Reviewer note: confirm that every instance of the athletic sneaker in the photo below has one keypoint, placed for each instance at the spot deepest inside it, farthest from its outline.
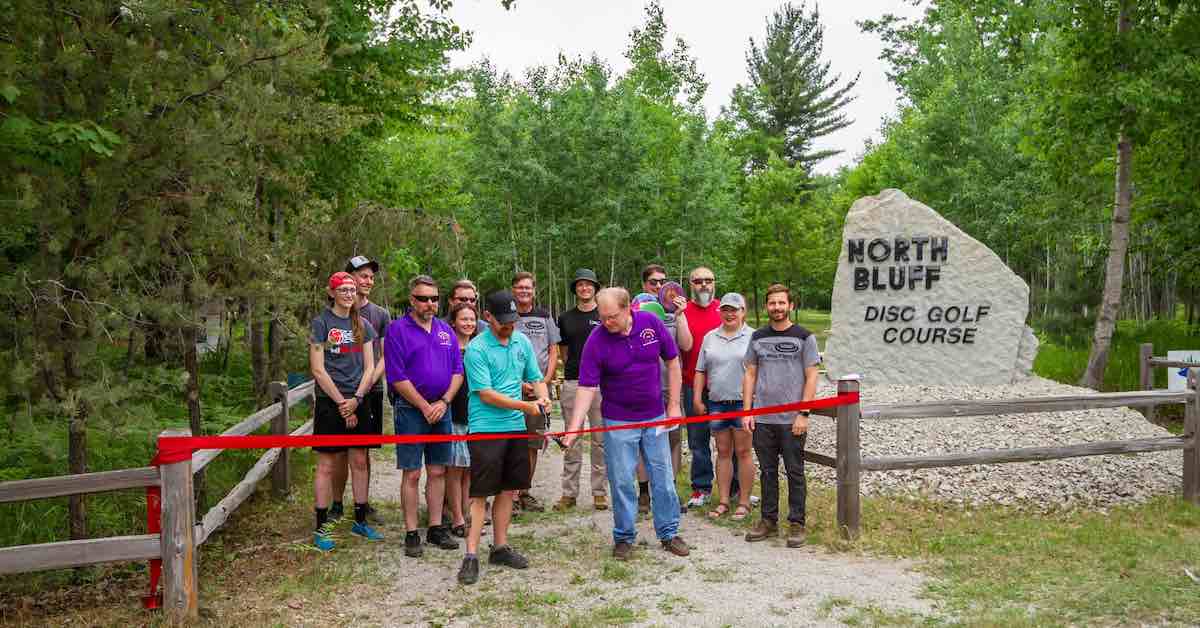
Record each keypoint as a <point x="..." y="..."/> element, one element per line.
<point x="366" y="531"/>
<point x="412" y="544"/>
<point x="468" y="573"/>
<point x="697" y="500"/>
<point x="507" y="556"/>
<point x="323" y="538"/>
<point x="439" y="536"/>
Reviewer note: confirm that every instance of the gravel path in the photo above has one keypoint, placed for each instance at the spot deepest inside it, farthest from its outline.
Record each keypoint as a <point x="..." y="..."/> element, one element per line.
<point x="1095" y="482"/>
<point x="573" y="581"/>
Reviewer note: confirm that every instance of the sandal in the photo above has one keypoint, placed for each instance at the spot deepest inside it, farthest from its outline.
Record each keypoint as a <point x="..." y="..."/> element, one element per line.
<point x="459" y="530"/>
<point x="741" y="513"/>
<point x="719" y="511"/>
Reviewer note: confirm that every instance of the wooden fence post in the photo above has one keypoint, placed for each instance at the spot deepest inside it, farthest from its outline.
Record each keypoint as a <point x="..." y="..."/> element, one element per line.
<point x="281" y="474"/>
<point x="1146" y="375"/>
<point x="178" y="539"/>
<point x="849" y="461"/>
<point x="1191" y="434"/>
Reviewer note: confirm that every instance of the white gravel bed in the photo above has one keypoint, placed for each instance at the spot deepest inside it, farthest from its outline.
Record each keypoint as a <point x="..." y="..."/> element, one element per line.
<point x="1091" y="482"/>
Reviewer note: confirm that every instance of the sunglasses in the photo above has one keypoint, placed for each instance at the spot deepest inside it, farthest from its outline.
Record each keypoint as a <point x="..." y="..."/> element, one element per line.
<point x="465" y="299"/>
<point x="656" y="282"/>
<point x="699" y="281"/>
<point x="425" y="299"/>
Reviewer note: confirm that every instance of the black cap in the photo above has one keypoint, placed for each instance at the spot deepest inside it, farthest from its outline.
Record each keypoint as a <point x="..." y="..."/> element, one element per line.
<point x="358" y="261"/>
<point x="585" y="274"/>
<point x="502" y="306"/>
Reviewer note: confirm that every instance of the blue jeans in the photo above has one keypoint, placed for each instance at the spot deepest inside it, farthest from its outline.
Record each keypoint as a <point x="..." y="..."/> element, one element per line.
<point x="700" y="444"/>
<point x="621" y="449"/>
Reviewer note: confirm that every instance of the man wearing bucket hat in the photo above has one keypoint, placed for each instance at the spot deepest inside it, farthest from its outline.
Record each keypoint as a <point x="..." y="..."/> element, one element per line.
<point x="575" y="325"/>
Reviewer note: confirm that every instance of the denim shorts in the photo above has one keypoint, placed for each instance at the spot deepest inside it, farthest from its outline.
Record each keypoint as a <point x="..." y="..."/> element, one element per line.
<point x="460" y="454"/>
<point x="717" y="407"/>
<point x="409" y="420"/>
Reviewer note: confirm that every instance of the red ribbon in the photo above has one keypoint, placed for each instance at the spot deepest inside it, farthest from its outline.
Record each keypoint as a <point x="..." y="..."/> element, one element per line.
<point x="179" y="448"/>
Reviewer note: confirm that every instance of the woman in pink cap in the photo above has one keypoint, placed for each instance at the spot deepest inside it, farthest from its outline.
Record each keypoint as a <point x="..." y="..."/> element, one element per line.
<point x="340" y="356"/>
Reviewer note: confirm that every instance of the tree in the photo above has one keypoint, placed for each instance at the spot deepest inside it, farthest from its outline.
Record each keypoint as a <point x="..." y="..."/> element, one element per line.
<point x="792" y="100"/>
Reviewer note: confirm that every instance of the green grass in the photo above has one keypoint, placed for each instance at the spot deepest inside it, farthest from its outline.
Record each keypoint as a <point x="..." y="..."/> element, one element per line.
<point x="1063" y="353"/>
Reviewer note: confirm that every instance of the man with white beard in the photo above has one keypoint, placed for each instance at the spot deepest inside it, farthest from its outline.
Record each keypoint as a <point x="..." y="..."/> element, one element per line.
<point x="699" y="316"/>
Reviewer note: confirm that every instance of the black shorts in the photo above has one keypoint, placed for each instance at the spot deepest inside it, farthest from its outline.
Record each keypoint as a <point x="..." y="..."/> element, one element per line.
<point x="499" y="465"/>
<point x="329" y="422"/>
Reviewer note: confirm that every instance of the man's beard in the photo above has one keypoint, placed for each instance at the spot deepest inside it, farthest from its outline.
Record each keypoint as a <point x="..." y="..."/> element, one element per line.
<point x="777" y="315"/>
<point x="703" y="298"/>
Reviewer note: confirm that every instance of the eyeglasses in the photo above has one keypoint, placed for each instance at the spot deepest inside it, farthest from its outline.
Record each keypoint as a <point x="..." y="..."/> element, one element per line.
<point x="347" y="291"/>
<point x="700" y="281"/>
<point x="426" y="299"/>
<point x="657" y="282"/>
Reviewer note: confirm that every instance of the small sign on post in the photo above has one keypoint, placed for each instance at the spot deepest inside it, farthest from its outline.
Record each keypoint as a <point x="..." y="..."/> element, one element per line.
<point x="1177" y="376"/>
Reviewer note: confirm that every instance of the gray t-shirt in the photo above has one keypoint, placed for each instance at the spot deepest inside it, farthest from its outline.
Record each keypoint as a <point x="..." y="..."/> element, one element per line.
<point x="539" y="326"/>
<point x="379" y="318"/>
<point x="343" y="357"/>
<point x="781" y="357"/>
<point x="720" y="360"/>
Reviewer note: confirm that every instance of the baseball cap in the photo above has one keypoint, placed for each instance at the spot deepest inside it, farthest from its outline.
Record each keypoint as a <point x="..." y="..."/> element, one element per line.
<point x="502" y="306"/>
<point x="733" y="299"/>
<point x="585" y="274"/>
<point x="358" y="261"/>
<point x="339" y="279"/>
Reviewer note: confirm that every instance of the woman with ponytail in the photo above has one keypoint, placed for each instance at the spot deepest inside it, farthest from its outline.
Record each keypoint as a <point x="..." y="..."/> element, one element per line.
<point x="341" y="359"/>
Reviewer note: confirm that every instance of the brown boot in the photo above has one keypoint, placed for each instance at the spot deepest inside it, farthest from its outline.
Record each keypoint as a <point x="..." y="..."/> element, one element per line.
<point x="762" y="531"/>
<point x="622" y="550"/>
<point x="565" y="504"/>
<point x="676" y="546"/>
<point x="600" y="502"/>
<point x="796" y="535"/>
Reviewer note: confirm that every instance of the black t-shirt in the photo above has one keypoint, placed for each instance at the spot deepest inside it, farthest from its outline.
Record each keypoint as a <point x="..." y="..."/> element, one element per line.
<point x="458" y="405"/>
<point x="574" y="327"/>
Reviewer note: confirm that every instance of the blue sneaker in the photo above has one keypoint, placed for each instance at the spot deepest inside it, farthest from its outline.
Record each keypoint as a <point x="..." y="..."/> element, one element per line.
<point x="323" y="538"/>
<point x="366" y="531"/>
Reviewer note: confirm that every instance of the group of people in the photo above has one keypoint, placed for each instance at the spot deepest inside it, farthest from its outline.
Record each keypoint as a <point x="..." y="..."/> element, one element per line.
<point x="487" y="369"/>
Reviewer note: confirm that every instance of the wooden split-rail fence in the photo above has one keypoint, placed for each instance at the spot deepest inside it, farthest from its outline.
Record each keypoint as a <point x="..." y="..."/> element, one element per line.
<point x="181" y="534"/>
<point x="850" y="464"/>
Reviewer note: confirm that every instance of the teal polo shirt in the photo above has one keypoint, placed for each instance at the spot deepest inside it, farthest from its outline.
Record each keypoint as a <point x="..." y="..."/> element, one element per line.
<point x="502" y="368"/>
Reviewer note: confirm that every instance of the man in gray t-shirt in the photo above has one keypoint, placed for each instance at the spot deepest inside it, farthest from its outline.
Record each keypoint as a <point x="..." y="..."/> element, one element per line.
<point x="781" y="367"/>
<point x="542" y="330"/>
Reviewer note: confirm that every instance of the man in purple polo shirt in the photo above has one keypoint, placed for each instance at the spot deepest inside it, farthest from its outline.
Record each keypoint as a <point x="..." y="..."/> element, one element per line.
<point x="622" y="362"/>
<point x="424" y="369"/>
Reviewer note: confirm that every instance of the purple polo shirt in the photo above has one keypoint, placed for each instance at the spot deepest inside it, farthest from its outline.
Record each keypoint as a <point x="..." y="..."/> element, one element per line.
<point x="427" y="359"/>
<point x="626" y="368"/>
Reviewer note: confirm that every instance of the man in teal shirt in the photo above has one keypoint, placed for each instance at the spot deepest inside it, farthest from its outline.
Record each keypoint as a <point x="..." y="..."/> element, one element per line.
<point x="497" y="362"/>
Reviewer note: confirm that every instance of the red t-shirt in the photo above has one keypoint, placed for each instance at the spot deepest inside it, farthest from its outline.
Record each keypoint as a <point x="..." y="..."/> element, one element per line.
<point x="700" y="321"/>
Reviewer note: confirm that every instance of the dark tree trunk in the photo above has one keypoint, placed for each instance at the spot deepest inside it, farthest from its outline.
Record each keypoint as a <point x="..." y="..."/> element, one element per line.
<point x="191" y="363"/>
<point x="258" y="358"/>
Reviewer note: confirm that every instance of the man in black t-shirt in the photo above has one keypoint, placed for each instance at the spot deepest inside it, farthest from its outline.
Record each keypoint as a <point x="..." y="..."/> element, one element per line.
<point x="574" y="326"/>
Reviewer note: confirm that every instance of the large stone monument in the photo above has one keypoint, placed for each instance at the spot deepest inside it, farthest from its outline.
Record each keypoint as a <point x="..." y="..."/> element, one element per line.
<point x="917" y="301"/>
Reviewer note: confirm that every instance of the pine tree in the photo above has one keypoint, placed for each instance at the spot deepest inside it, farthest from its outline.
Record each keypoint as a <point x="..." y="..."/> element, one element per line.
<point x="793" y="99"/>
